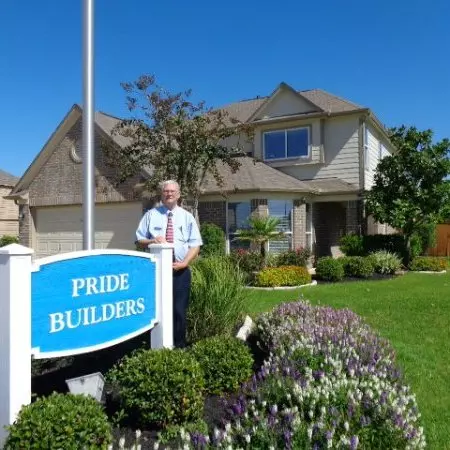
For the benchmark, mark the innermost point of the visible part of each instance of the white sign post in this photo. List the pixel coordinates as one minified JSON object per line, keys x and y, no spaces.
{"x":162,"y":336}
{"x":22,"y":322}
{"x":15,"y":333}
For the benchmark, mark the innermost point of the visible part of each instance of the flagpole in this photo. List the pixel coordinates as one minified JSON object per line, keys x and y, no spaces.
{"x":88,"y":126}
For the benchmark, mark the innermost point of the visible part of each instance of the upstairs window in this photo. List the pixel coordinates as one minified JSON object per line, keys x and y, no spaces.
{"x":282,"y":144}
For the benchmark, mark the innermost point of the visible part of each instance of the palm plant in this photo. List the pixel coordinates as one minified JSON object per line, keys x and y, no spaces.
{"x":261,"y":230}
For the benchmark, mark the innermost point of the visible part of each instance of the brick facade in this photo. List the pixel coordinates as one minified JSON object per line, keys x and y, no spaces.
{"x":213,"y":212}
{"x":59,"y":181}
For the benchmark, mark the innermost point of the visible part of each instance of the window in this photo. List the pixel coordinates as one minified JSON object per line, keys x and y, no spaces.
{"x":238,"y":214}
{"x":282,"y":210}
{"x":291,"y":143}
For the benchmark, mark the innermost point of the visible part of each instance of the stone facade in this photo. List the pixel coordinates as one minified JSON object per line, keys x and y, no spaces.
{"x":259,"y":207}
{"x":299,"y":224}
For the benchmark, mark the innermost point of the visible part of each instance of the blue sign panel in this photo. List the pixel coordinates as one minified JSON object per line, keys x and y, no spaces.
{"x":90,"y":302}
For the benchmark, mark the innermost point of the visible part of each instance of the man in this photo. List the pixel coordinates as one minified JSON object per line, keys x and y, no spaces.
{"x":171,"y":223}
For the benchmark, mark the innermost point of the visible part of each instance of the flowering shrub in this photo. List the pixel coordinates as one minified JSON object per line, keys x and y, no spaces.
{"x":329,"y":269}
{"x":247,"y":261}
{"x":428,"y":263}
{"x":385,"y":262}
{"x":329,"y":382}
{"x":297,"y":257}
{"x":283,"y":276}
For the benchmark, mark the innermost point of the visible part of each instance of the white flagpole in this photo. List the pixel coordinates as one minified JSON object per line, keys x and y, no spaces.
{"x":88,"y":126}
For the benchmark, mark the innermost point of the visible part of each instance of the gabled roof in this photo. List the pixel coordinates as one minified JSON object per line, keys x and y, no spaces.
{"x":322,"y":100}
{"x":103,"y":121}
{"x":254,"y":176}
{"x":8,"y":180}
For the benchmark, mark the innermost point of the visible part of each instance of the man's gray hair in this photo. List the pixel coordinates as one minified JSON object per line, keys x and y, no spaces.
{"x":167,"y":182}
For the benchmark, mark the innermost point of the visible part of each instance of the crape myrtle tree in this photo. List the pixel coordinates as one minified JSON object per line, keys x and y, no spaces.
{"x":411,"y":191}
{"x":175,"y":138}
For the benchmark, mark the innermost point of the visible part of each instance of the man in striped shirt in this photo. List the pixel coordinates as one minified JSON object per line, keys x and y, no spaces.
{"x":171,"y":223}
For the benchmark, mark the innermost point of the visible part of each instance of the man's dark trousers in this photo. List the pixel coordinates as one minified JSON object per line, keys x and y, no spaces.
{"x":181,"y":293}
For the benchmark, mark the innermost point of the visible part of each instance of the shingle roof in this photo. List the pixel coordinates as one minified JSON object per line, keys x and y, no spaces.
{"x":6,"y":179}
{"x":330,"y":185}
{"x":253,"y":176}
{"x":107,"y":123}
{"x":323,"y":100}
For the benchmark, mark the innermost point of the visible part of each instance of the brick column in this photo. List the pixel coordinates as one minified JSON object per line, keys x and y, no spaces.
{"x":259,"y":207}
{"x":213,"y":212}
{"x":352,"y":217}
{"x":299,"y":224}
{"x":26,"y":225}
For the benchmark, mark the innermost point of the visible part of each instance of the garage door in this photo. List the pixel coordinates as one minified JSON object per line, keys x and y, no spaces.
{"x":60,"y":229}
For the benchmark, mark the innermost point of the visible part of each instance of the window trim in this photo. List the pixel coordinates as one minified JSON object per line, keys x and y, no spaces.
{"x":285,"y":130}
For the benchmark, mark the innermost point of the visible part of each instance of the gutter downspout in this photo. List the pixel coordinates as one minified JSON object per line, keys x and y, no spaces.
{"x":362,"y":175}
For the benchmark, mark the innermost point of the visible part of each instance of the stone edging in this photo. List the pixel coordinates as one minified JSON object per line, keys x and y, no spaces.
{"x":433,"y":272}
{"x":282,"y":288}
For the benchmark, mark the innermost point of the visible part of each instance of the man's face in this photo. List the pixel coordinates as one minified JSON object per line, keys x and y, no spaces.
{"x":170,"y":195}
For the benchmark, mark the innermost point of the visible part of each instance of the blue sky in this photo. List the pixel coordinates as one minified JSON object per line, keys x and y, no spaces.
{"x":391,"y":56}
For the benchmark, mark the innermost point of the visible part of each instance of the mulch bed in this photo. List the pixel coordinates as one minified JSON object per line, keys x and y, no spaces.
{"x":50,"y":375}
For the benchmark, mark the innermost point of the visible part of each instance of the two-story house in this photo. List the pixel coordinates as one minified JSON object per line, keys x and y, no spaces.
{"x":312,"y":157}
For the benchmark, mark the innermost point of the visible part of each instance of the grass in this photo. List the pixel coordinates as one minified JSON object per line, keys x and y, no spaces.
{"x":413,"y":312}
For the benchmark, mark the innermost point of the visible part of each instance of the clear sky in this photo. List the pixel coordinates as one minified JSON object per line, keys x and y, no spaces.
{"x":390,"y":55}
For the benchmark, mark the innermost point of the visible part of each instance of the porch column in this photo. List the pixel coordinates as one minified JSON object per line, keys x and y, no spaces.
{"x":352,"y":217}
{"x":299,"y":224}
{"x":259,"y":207}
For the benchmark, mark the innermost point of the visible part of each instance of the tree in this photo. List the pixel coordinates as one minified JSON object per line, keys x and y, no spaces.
{"x":410,"y":190}
{"x":261,"y":230}
{"x":174,"y":137}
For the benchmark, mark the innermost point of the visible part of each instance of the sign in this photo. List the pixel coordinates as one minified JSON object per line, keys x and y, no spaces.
{"x":75,"y":303}
{"x":83,"y":302}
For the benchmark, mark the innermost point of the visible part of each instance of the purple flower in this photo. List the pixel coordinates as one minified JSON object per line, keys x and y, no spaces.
{"x":354,"y":441}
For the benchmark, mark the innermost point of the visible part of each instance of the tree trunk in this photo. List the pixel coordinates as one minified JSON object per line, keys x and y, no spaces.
{"x":263,"y":253}
{"x":407,"y":255}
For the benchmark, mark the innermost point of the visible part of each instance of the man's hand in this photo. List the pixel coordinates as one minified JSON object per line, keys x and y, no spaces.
{"x":160,"y":240}
{"x":179,"y":265}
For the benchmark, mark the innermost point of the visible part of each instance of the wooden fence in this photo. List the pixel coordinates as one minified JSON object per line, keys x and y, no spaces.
{"x":442,"y":247}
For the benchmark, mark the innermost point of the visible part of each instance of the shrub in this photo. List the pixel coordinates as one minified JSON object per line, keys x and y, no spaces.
{"x":217,"y":298}
{"x":297,"y":257}
{"x":226,"y":363}
{"x":7,"y":239}
{"x":158,"y":387}
{"x":357,"y":266}
{"x":60,"y":421}
{"x":352,"y":245}
{"x":283,"y":276}
{"x":385,"y":263}
{"x":213,"y":240}
{"x":329,"y":269}
{"x":248,"y":262}
{"x":428,"y":264}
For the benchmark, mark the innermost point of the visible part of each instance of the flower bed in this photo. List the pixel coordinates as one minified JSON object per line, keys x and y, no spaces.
{"x":329,"y":382}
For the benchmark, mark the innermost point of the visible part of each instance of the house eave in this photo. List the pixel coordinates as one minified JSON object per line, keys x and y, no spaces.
{"x":314,"y":115}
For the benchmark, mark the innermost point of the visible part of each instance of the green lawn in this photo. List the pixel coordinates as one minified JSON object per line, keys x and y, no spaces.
{"x":413,"y":312}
